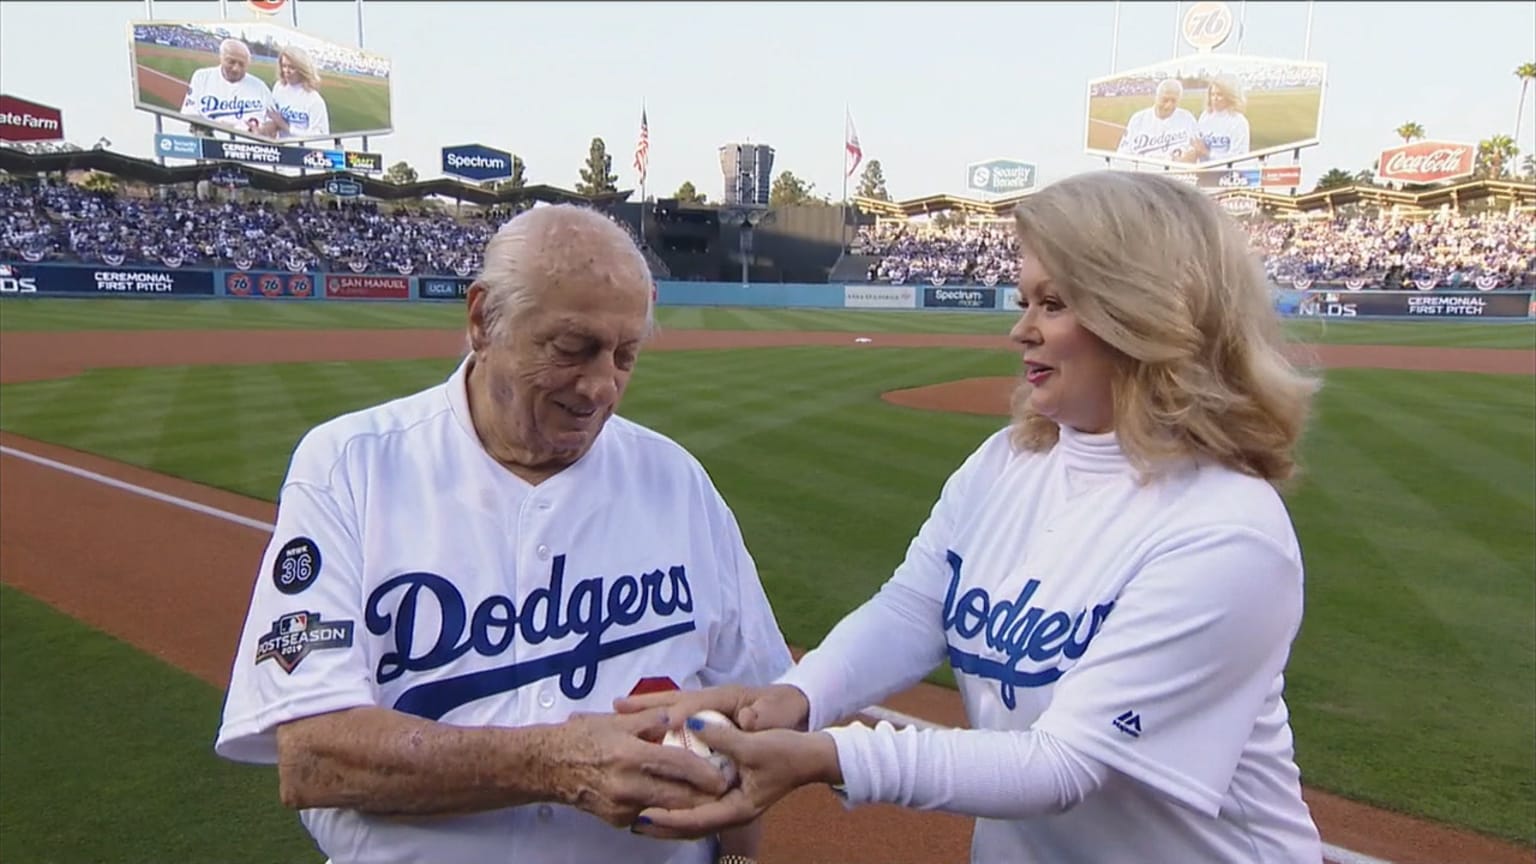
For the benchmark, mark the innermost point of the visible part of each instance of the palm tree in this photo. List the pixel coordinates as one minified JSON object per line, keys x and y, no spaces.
{"x":1495,"y":155}
{"x":1335,"y":178}
{"x":1526,"y":72}
{"x":1410,"y":131}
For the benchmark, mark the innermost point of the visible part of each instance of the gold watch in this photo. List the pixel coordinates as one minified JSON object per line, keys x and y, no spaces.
{"x":735,"y":859}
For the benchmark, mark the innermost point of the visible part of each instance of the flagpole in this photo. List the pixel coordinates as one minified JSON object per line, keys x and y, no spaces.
{"x":842,"y":231}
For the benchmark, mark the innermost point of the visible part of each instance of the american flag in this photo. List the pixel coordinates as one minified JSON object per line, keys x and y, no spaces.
{"x":643,"y":146}
{"x":854,"y":153}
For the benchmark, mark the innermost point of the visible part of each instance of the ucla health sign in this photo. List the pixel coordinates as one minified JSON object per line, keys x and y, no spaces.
{"x":477,"y":162}
{"x":1000,"y":177}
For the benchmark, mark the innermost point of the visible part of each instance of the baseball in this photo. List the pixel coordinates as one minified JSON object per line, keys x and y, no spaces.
{"x":684,"y":738}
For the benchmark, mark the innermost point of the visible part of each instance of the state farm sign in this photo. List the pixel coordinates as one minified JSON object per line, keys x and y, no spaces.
{"x":21,"y":120}
{"x":1426,"y":162}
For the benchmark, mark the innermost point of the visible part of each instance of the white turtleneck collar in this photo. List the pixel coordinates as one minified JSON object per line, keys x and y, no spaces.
{"x":1084,"y":453}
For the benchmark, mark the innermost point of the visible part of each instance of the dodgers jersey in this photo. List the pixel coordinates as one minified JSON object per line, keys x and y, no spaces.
{"x":236,"y":106}
{"x":410,"y":570}
{"x":1225,"y":134}
{"x":304,"y":109}
{"x":1159,"y":138}
{"x":1146,"y":627}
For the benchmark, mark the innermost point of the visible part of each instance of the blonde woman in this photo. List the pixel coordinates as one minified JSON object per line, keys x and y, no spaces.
{"x":1223,"y":125}
{"x":301,"y":111}
{"x":1113,"y":577}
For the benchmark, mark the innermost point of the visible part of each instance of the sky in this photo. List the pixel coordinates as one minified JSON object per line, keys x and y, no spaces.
{"x":931,"y":86}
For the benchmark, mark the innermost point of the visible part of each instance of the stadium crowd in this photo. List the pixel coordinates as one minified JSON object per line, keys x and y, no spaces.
{"x":1446,"y":249}
{"x":41,"y":222}
{"x":65,"y":222}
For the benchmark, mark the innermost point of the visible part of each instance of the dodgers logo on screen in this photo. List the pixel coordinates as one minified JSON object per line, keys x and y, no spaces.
{"x":1035,"y":642}
{"x":649,"y":609}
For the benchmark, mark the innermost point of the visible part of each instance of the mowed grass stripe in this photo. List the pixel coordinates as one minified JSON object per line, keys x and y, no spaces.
{"x":107,"y":756}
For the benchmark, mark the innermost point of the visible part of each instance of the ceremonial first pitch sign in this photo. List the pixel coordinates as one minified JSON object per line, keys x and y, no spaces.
{"x":477,"y":162}
{"x":1000,"y":177}
{"x":21,"y":120}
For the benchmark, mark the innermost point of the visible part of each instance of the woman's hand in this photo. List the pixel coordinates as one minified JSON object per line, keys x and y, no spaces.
{"x":770,"y":764}
{"x":778,"y":706}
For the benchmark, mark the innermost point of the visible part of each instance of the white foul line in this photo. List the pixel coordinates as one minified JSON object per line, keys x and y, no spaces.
{"x":139,"y":490}
{"x":1332,"y":853}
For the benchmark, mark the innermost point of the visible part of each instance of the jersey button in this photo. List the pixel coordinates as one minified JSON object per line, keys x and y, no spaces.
{"x":543,"y":505}
{"x":546,"y":812}
{"x":546,"y":699}
{"x":543,"y":552}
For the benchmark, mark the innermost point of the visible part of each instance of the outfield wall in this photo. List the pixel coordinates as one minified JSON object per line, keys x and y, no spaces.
{"x":86,"y":280}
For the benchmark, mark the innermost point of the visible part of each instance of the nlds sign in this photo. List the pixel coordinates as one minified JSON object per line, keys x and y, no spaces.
{"x":12,"y":282}
{"x":476,"y":162}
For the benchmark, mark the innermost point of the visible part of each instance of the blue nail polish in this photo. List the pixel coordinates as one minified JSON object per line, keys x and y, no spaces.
{"x":643,"y":820}
{"x":695,"y":724}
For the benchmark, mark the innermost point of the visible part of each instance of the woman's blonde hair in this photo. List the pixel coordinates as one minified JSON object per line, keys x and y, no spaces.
{"x":1155,"y":269}
{"x":299,"y":59}
{"x":1229,"y":86}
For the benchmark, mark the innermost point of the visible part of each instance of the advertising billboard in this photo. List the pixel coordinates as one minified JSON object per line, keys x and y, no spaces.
{"x":1206,"y":109}
{"x":338,"y":287}
{"x":1400,"y":304}
{"x":477,"y":162}
{"x":1222,"y":179}
{"x":443,"y":288}
{"x":959,"y":298}
{"x":251,"y":153}
{"x":103,"y":279}
{"x":22,"y":120}
{"x":1000,"y":177}
{"x":1426,"y":162}
{"x":259,"y":80}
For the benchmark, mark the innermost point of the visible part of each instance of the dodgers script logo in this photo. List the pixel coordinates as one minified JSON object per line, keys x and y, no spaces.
{"x":1173,"y":142}
{"x":1018,"y":631}
{"x":213,"y":107}
{"x":295,"y":117}
{"x":590,"y":610}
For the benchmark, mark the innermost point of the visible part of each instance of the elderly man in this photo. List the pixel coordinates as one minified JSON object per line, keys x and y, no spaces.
{"x":1163,"y":131}
{"x":227,"y":95}
{"x":462,"y":581}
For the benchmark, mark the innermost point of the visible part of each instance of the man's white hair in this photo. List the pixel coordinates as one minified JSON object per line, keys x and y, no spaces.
{"x":1173,"y":84}
{"x":232,"y":45}
{"x":545,"y":247}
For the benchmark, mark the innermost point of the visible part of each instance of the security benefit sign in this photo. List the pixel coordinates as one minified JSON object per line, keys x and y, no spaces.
{"x":477,"y":162}
{"x":1000,"y":177}
{"x":959,"y":298}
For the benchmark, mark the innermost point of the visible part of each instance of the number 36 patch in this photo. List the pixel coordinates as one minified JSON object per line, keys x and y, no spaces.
{"x":297,"y":565}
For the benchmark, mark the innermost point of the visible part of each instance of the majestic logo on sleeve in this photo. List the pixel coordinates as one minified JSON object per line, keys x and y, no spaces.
{"x":1027,"y":636}
{"x":590,"y":610}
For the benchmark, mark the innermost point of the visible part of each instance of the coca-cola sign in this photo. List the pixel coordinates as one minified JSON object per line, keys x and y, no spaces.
{"x":1427,"y":162}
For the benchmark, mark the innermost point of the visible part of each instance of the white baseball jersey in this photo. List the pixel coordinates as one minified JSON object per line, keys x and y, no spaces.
{"x":410,"y":570}
{"x":1146,"y":627}
{"x":1225,"y":134}
{"x":1159,"y":138}
{"x":304,"y":109}
{"x":235,"y":106}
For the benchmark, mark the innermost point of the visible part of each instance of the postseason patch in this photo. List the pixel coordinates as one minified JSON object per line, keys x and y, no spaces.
{"x":296,"y":634}
{"x":297,"y":565}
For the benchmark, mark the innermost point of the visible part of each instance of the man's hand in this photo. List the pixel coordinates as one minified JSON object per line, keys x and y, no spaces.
{"x":614,"y":766}
{"x":778,"y":706}
{"x":771,"y":764}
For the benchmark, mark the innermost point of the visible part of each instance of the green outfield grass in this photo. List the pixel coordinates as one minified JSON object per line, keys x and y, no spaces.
{"x":1410,"y":685}
{"x":1275,"y":117}
{"x":355,"y":103}
{"x":50,"y":314}
{"x":107,"y":756}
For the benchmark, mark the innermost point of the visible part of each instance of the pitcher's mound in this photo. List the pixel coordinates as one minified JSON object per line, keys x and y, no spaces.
{"x":968,"y":396}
